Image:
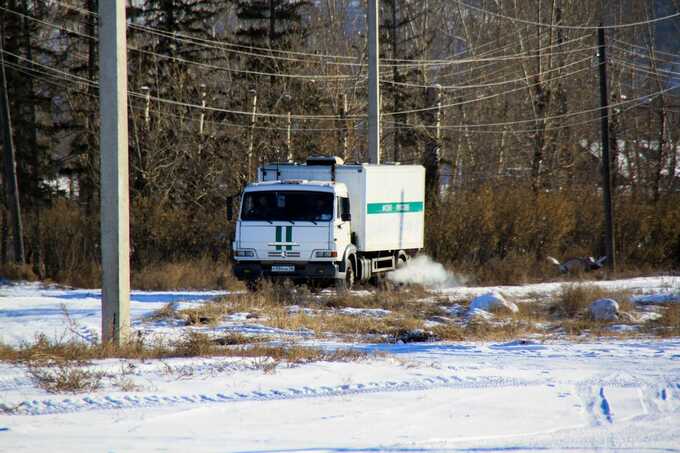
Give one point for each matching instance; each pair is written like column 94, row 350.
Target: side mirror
column 345, row 211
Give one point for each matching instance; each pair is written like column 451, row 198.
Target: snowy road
column 612, row 395
column 623, row 396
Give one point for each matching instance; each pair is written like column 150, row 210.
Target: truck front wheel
column 344, row 285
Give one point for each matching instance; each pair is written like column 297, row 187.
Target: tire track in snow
column 605, row 407
column 109, row 402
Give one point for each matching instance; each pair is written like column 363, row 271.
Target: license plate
column 283, row 268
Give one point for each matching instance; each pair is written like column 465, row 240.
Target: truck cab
column 295, row 228
column 325, row 222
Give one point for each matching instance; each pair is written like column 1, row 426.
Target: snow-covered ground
column 608, row 395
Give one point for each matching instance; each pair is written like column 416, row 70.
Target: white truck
column 325, row 222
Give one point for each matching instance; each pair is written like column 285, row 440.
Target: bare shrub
column 501, row 233
column 17, row 272
column 574, row 300
column 65, row 377
column 668, row 325
column 199, row 273
column 166, row 312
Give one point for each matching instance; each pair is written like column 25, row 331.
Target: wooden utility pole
column 431, row 157
column 251, row 142
column 115, row 215
column 610, row 248
column 9, row 157
column 343, row 131
column 373, row 83
column 395, row 79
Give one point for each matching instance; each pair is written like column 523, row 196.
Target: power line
column 565, row 115
column 323, row 59
column 656, row 51
column 566, row 27
column 491, row 84
column 285, row 115
column 389, row 126
column 484, row 98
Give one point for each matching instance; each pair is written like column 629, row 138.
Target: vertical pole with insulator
column 432, row 157
column 115, row 222
column 344, row 129
column 373, row 83
column 251, row 142
column 610, row 249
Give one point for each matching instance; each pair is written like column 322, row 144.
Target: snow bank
column 424, row 271
column 492, row 302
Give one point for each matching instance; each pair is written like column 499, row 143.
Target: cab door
column 342, row 225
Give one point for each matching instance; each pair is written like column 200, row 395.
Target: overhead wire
column 553, row 117
column 394, row 125
column 324, row 59
column 566, row 27
column 298, row 117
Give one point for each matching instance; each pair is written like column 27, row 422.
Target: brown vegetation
column 575, row 299
column 200, row 273
column 18, row 272
column 502, row 234
column 668, row 325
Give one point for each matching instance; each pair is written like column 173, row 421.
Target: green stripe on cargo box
column 278, row 237
column 394, row 208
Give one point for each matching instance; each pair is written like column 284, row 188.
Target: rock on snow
column 604, row 310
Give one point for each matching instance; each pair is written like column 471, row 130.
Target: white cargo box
column 387, row 202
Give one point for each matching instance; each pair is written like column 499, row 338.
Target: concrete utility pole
column 115, row 229
column 610, row 248
column 373, row 83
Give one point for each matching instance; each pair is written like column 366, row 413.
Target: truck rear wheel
column 344, row 285
column 252, row 285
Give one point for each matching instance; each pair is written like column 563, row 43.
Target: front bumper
column 322, row 270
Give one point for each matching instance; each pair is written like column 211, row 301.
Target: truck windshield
column 287, row 205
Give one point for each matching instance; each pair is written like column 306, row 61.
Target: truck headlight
column 244, row 253
column 326, row 254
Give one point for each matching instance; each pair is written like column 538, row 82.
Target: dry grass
column 412, row 301
column 62, row 366
column 328, row 324
column 189, row 274
column 17, row 272
column 669, row 323
column 44, row 352
column 574, row 300
column 65, row 377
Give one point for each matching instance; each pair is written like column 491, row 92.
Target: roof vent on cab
column 325, row 160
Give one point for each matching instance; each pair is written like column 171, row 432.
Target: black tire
column 252, row 285
column 402, row 259
column 345, row 285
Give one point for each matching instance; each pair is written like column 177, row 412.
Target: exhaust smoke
column 422, row 270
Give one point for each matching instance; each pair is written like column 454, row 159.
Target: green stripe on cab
column 278, row 237
column 289, row 237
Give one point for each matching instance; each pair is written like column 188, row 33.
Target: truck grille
column 285, row 254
